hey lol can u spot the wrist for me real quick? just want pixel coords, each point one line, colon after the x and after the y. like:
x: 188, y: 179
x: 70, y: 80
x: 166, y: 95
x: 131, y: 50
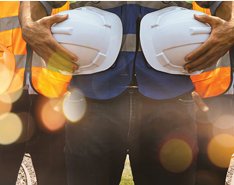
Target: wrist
x: 26, y: 23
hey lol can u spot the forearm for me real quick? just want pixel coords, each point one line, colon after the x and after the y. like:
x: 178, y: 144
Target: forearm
x: 30, y: 11
x: 36, y: 31
x: 224, y: 11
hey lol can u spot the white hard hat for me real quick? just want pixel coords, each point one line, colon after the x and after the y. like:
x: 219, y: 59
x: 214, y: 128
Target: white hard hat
x: 94, y: 35
x: 168, y: 35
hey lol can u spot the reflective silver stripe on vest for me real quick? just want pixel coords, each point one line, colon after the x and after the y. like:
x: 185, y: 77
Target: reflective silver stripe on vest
x: 37, y: 61
x: 9, y: 23
x: 20, y: 61
x: 225, y: 61
x: 129, y: 43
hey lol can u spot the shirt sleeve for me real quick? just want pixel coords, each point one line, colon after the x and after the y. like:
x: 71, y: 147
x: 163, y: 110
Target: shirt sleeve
x: 49, y: 5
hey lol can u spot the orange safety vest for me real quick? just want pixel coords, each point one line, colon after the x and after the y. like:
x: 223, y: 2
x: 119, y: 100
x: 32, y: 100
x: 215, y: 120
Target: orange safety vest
x: 52, y: 84
x: 215, y: 80
x: 12, y: 42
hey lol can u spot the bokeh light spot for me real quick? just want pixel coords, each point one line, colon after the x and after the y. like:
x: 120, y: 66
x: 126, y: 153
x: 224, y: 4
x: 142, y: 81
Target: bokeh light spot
x: 10, y: 128
x: 220, y: 150
x: 28, y: 125
x: 176, y: 155
x: 74, y: 105
x: 5, y: 107
x: 224, y: 124
x: 11, y: 97
x: 5, y: 78
x: 50, y: 114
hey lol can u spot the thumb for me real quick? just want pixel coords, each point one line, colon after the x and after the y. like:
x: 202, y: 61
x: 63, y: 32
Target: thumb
x: 50, y: 20
x: 199, y: 102
x: 204, y: 19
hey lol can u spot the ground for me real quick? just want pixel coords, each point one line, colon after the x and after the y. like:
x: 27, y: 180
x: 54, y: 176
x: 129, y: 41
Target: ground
x: 27, y: 174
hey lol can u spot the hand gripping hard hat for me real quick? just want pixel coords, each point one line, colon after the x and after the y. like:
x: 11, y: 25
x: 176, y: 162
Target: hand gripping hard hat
x: 94, y: 35
x: 168, y: 35
x: 7, y: 68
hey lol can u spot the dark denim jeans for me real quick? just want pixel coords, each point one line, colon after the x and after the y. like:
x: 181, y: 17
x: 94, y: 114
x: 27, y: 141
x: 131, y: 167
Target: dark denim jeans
x: 208, y: 171
x: 46, y: 149
x: 97, y: 145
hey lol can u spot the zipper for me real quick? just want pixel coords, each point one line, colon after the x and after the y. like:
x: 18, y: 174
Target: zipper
x: 134, y: 81
x: 130, y: 120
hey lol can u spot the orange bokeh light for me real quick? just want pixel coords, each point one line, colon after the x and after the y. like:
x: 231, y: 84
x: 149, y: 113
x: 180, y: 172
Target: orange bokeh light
x: 50, y: 114
x: 5, y: 107
x: 220, y: 150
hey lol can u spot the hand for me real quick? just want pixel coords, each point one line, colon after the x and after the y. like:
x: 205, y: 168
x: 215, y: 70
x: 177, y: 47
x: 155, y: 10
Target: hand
x: 38, y: 35
x: 199, y: 102
x: 220, y: 41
